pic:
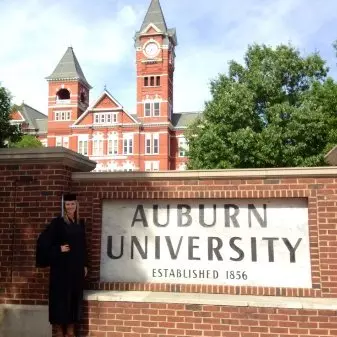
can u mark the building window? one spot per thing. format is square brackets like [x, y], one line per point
[127, 143]
[114, 117]
[58, 141]
[97, 147]
[147, 108]
[152, 166]
[152, 143]
[148, 145]
[66, 142]
[106, 118]
[183, 147]
[83, 146]
[113, 145]
[156, 109]
[62, 115]
[151, 109]
[62, 141]
[128, 166]
[155, 144]
[63, 96]
[152, 81]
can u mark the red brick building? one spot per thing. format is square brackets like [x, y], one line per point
[150, 139]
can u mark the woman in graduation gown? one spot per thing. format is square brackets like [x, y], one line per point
[68, 268]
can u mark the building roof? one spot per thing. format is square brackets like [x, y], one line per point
[35, 119]
[155, 16]
[179, 120]
[182, 120]
[68, 69]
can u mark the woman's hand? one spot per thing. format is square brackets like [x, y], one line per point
[85, 271]
[65, 248]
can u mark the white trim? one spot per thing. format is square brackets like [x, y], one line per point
[151, 41]
[105, 92]
[62, 106]
[213, 299]
[277, 173]
[157, 132]
[157, 124]
[98, 126]
[152, 75]
[89, 109]
[73, 96]
[152, 99]
[151, 25]
[106, 109]
[18, 120]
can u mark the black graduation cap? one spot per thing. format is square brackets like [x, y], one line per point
[69, 197]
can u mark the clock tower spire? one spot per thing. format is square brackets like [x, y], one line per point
[155, 52]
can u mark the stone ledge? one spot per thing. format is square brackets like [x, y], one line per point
[47, 155]
[277, 173]
[213, 299]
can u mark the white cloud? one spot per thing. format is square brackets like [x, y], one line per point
[38, 36]
[38, 32]
[244, 23]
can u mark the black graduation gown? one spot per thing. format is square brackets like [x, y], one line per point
[66, 280]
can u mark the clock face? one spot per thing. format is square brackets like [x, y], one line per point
[151, 49]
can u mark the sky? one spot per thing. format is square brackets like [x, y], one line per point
[36, 33]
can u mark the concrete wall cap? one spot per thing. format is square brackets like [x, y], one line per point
[47, 155]
[276, 173]
[213, 299]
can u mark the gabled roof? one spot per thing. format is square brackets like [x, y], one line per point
[35, 119]
[155, 16]
[92, 107]
[184, 119]
[68, 69]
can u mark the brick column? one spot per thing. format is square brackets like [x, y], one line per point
[31, 185]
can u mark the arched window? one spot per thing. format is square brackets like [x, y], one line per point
[63, 94]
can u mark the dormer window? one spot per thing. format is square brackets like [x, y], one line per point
[63, 96]
[106, 118]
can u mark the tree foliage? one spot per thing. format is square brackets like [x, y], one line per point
[278, 109]
[27, 141]
[8, 132]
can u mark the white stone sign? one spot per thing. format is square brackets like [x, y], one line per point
[226, 242]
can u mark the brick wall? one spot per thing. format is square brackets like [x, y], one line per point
[120, 319]
[320, 192]
[30, 192]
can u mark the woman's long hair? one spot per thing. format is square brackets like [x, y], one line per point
[77, 213]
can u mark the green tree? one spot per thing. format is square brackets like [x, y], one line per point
[8, 132]
[276, 110]
[27, 141]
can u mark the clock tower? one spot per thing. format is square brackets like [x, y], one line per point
[155, 53]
